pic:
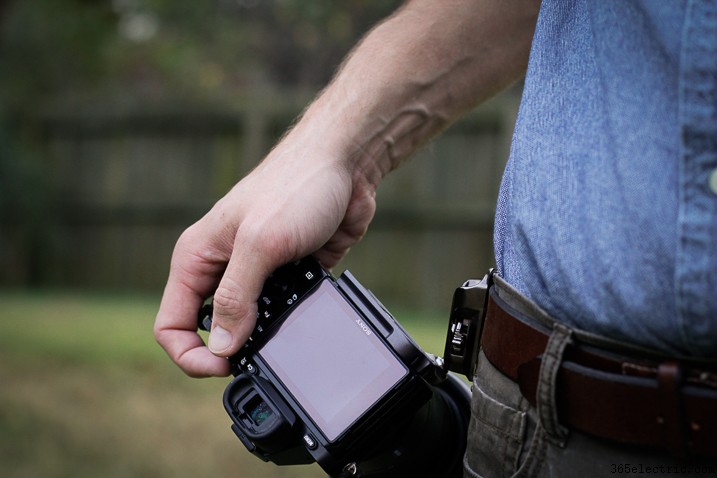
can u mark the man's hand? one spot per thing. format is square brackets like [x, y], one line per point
[291, 205]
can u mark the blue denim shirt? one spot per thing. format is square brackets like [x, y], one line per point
[607, 215]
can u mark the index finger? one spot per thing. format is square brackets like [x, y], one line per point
[192, 278]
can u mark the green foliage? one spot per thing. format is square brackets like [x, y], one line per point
[165, 48]
[49, 45]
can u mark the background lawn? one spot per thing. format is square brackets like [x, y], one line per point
[86, 392]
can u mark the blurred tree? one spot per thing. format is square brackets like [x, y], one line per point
[49, 46]
[165, 48]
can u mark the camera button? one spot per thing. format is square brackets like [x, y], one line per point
[310, 441]
[248, 366]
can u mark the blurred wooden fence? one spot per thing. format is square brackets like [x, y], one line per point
[125, 185]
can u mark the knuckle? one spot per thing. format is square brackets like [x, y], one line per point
[191, 373]
[160, 336]
[186, 239]
[227, 305]
[262, 240]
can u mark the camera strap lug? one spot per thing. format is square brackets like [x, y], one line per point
[349, 471]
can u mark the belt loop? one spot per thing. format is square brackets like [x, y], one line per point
[546, 403]
[669, 381]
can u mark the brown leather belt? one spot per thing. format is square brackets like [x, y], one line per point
[650, 402]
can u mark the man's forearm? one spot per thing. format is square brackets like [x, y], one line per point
[315, 192]
[416, 73]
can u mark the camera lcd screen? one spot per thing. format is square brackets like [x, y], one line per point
[331, 361]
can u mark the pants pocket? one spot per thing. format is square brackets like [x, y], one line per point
[496, 435]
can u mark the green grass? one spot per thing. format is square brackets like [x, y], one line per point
[85, 392]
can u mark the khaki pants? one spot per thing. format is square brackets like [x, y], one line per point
[506, 437]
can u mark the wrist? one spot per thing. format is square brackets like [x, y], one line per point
[340, 135]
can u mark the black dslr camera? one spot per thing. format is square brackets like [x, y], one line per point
[329, 376]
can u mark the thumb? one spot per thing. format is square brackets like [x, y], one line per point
[235, 307]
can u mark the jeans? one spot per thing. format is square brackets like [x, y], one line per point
[506, 438]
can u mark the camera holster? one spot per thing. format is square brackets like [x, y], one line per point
[465, 325]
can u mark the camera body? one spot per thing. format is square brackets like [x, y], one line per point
[328, 375]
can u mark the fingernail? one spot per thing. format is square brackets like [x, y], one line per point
[219, 340]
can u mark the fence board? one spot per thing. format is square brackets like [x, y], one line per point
[126, 185]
